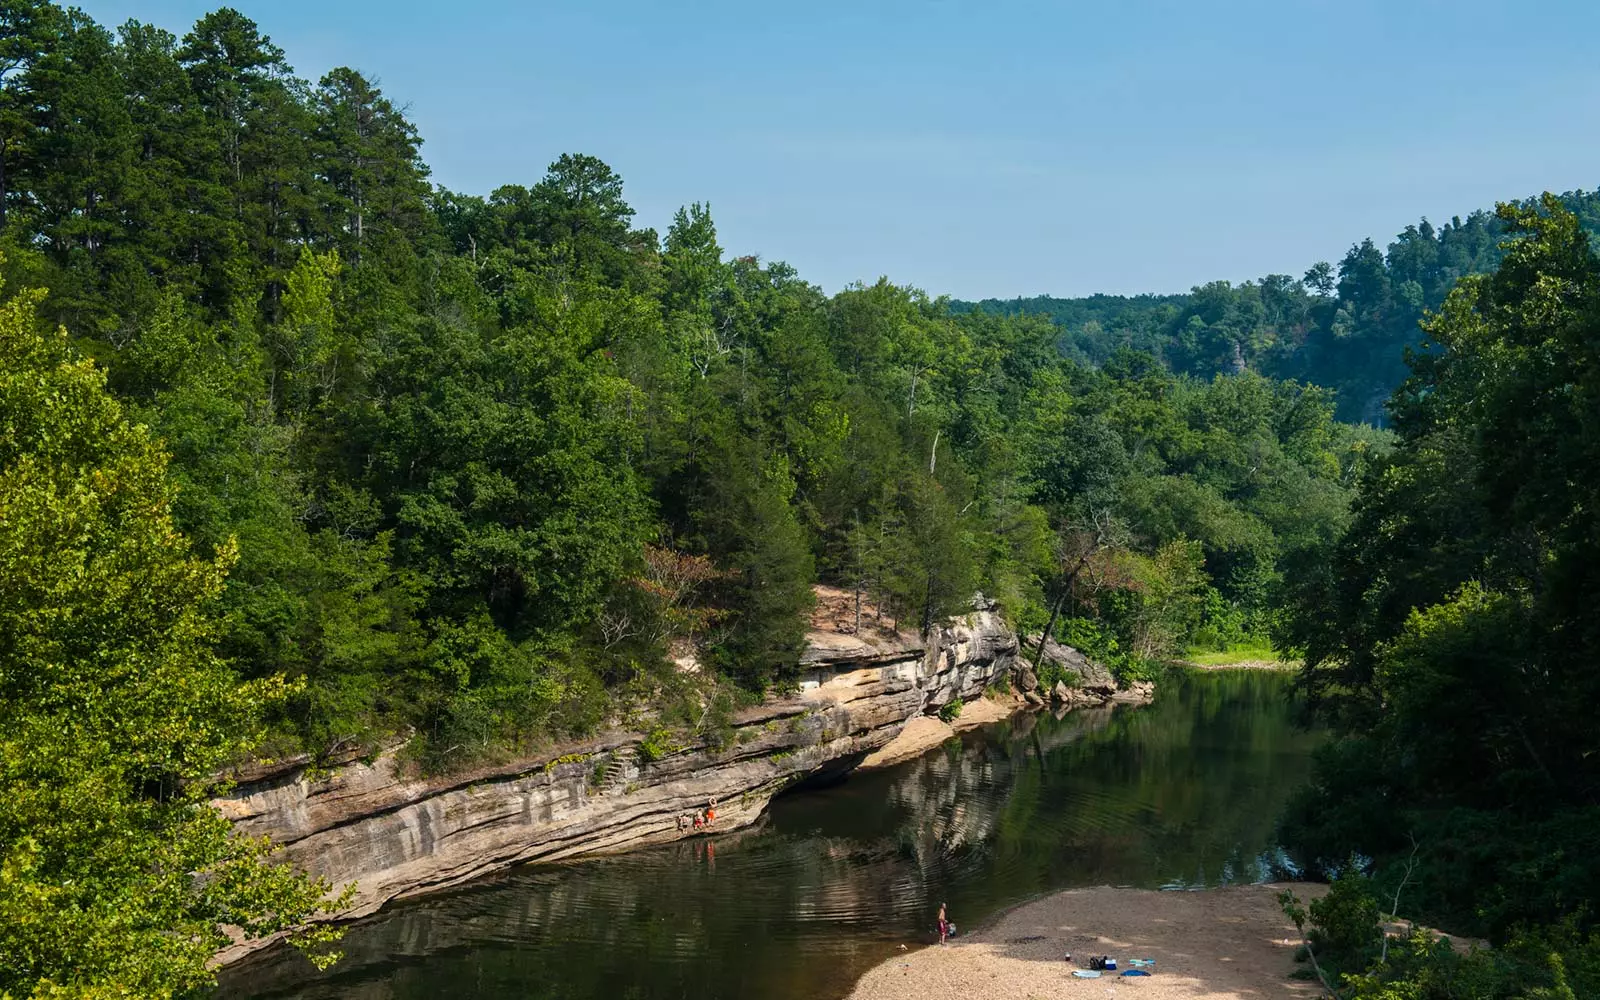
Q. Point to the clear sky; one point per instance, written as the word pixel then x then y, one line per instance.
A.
pixel 990 148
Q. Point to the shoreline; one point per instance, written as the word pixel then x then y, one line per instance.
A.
pixel 396 836
pixel 1230 943
pixel 869 700
pixel 926 732
pixel 1273 666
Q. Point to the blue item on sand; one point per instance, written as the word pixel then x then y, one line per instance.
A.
pixel 1136 972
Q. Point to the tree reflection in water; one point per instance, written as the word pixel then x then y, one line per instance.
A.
pixel 1182 793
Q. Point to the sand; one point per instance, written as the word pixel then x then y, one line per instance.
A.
pixel 1229 944
pixel 925 732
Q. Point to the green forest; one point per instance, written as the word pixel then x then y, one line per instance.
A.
pixel 1346 327
pixel 1451 640
pixel 304 453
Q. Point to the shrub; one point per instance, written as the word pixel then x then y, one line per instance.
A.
pixel 657 744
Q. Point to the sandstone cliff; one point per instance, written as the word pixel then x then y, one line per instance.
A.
pixel 396 837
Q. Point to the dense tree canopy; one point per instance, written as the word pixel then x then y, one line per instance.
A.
pixel 1344 326
pixel 1452 634
pixel 444 432
pixel 115 710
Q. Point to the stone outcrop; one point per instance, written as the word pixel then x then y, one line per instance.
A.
pixel 395 836
pixel 928 731
pixel 1094 684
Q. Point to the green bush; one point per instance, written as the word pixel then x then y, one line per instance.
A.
pixel 657 744
pixel 1099 642
pixel 1547 963
pixel 1345 925
pixel 951 711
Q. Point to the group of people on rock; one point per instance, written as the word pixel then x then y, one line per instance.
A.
pixel 700 820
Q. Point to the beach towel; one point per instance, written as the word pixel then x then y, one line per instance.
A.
pixel 1086 973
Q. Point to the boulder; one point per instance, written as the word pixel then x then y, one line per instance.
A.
pixel 1137 693
pixel 1027 680
pixel 1061 693
pixel 1033 698
pixel 1089 673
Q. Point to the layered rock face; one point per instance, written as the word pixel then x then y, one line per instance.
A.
pixel 396 836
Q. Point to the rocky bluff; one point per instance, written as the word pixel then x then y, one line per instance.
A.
pixel 397 836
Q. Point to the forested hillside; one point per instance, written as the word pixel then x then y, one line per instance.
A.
pixel 487 460
pixel 1346 326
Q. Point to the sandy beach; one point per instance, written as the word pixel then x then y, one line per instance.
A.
pixel 1228 944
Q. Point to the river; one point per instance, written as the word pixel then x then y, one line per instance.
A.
pixel 1182 793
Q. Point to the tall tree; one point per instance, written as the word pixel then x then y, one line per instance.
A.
pixel 262 131
pixel 115 711
pixel 29 29
pixel 368 156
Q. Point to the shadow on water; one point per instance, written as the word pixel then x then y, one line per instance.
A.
pixel 1179 794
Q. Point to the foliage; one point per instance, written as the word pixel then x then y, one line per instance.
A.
pixel 656 744
pixel 950 711
pixel 1247 653
pixel 1346 326
pixel 503 469
pixel 1451 636
pixel 115 711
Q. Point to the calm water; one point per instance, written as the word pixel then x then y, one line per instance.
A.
pixel 1179 794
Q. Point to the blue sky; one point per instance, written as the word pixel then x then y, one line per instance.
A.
pixel 990 149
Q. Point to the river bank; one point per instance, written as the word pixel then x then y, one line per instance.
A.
pixel 1229 943
pixel 1278 666
pixel 395 835
pixel 928 731
pixel 832 879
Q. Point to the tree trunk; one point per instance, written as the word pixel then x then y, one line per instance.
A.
pixel 1044 637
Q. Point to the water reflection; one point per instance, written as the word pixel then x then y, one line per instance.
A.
pixel 1179 794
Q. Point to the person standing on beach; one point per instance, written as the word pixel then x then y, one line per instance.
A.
pixel 944 925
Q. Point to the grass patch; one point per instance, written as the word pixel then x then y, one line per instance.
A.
pixel 1237 654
